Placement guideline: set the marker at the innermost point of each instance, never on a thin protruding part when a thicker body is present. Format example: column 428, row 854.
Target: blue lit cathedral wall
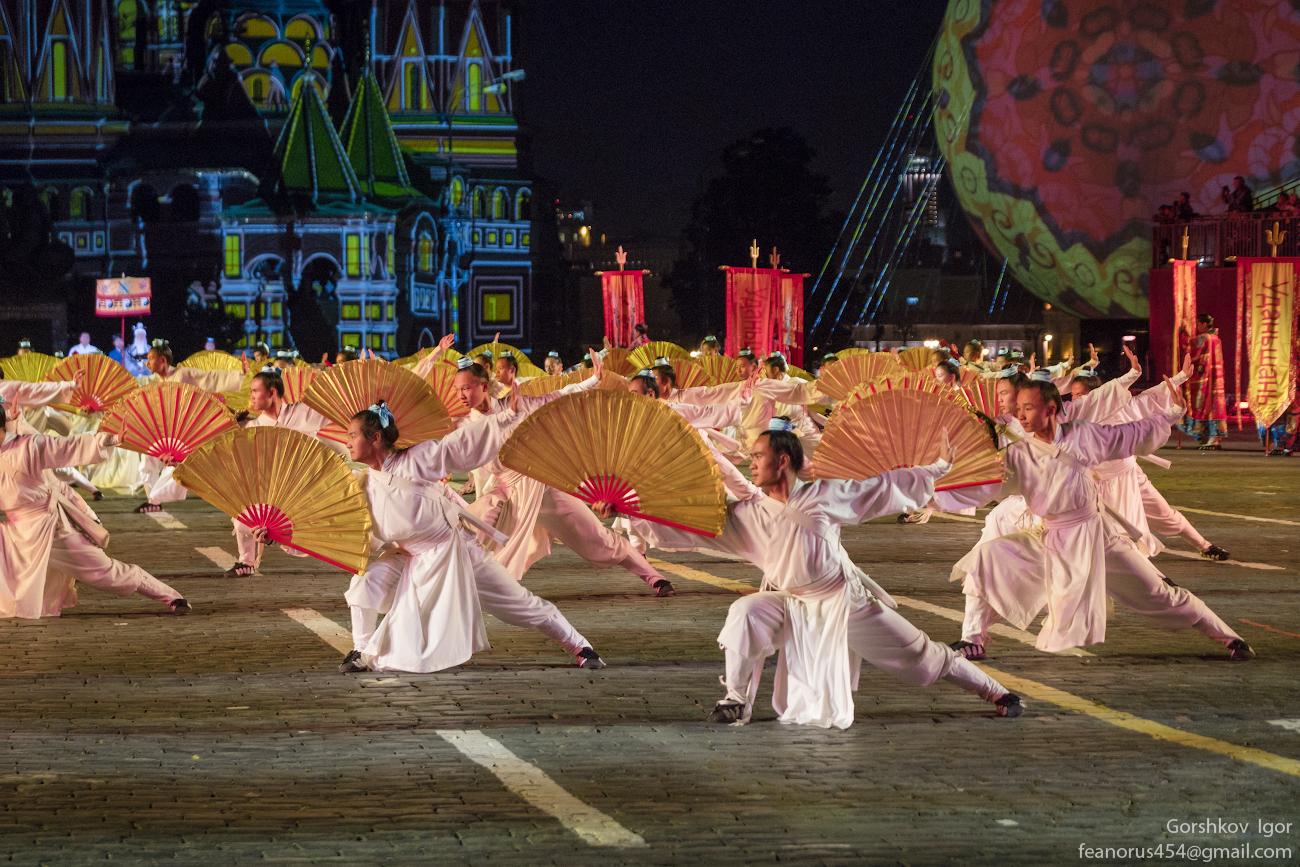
column 168, row 139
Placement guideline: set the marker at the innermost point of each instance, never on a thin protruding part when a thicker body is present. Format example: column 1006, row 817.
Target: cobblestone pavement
column 228, row 736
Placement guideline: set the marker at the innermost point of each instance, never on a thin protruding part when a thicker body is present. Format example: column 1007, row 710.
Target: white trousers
column 880, row 635
column 248, row 550
column 1134, row 582
column 371, row 594
column 1164, row 519
column 72, row 556
column 76, row 478
column 570, row 520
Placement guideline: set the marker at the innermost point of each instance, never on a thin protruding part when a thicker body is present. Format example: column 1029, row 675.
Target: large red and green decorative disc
column 1066, row 124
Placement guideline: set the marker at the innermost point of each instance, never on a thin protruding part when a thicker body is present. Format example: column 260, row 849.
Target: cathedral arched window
column 499, row 205
column 474, row 87
column 127, row 11
column 413, row 92
column 424, row 253
column 59, row 70
column 457, row 195
column 523, row 205
column 79, row 204
column 478, row 203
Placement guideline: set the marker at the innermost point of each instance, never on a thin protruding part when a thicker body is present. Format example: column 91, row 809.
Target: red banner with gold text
column 1270, row 314
column 623, row 293
column 751, row 297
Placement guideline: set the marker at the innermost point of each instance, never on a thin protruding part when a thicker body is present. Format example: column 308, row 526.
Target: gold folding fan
column 624, row 449
column 721, row 369
column 103, row 383
column 916, row 357
column 442, row 379
column 345, row 389
column 981, row 395
column 842, row 377
column 690, row 374
column 890, row 424
column 237, row 401
column 167, row 420
column 616, row 360
column 526, row 367
column 644, row 356
column 28, row 367
column 296, row 382
column 543, row 385
column 287, row 482
column 798, row 372
column 211, row 359
column 609, row 381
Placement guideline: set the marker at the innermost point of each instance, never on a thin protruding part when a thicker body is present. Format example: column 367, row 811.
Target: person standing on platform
column 1207, row 414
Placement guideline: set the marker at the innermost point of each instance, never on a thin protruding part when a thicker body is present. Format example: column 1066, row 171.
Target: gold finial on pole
column 1186, row 242
column 753, row 253
column 1274, row 237
column 620, row 256
column 775, row 258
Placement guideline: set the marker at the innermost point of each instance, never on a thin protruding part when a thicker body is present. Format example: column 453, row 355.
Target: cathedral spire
column 371, row 146
column 311, row 158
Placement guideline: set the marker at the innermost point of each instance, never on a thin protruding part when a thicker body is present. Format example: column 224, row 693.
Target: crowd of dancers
column 1076, row 523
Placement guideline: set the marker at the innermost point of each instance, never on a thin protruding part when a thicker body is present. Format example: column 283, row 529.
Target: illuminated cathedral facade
column 331, row 173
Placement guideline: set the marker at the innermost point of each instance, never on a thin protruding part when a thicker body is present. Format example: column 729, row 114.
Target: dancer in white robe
column 28, row 396
column 529, row 513
column 1083, row 552
column 815, row 606
column 432, row 580
column 1125, row 488
column 49, row 537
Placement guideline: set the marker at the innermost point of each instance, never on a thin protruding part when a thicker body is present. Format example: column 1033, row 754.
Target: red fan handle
column 88, row 402
column 279, row 529
column 259, row 516
column 609, row 488
column 171, row 449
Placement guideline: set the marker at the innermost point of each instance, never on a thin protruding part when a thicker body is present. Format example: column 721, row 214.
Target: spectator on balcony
column 1165, row 214
column 1287, row 204
column 1183, row 209
column 1239, row 199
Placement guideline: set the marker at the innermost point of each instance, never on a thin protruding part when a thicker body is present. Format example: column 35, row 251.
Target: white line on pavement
column 1238, row 517
column 222, row 559
column 326, row 630
column 533, row 785
column 527, row 781
column 166, row 521
column 1194, row 555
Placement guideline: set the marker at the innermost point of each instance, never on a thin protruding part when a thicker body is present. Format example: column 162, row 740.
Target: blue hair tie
column 780, row 424
column 663, row 361
column 465, row 362
column 385, row 414
column 646, row 372
column 271, row 369
column 1041, row 375
column 779, row 355
column 552, row 354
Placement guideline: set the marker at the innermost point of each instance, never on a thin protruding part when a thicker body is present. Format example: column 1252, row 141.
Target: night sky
column 632, row 101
